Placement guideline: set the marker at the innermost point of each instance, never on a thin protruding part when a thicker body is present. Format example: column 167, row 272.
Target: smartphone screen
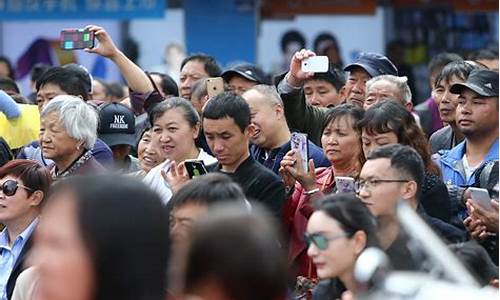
column 299, row 143
column 344, row 184
column 72, row 39
column 195, row 168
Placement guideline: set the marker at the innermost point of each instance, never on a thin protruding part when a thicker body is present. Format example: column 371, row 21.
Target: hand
column 106, row 46
column 295, row 76
column 347, row 295
column 177, row 177
column 489, row 218
column 292, row 163
column 288, row 179
column 476, row 229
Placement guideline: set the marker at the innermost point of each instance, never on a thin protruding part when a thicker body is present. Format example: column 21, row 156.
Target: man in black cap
column 309, row 119
column 117, row 130
column 477, row 119
column 242, row 77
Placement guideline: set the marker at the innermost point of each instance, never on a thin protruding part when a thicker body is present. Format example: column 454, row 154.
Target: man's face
column 355, row 86
column 239, row 84
column 476, row 115
column 380, row 197
column 380, row 90
column 447, row 101
column 264, row 117
column 226, row 140
column 321, row 93
column 46, row 93
column 183, row 217
column 192, row 71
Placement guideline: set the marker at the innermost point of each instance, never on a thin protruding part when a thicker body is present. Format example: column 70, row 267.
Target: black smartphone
column 195, row 167
column 72, row 39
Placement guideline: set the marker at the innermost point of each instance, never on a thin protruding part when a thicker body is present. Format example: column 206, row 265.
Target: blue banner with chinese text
column 80, row 9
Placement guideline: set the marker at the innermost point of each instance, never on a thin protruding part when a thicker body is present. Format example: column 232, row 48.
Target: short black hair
column 405, row 160
column 208, row 190
column 351, row 214
column 190, row 114
column 7, row 84
column 228, row 105
column 442, row 59
column 107, row 234
column 486, row 54
column 114, row 89
column 476, row 260
column 199, row 89
column 334, row 76
column 70, row 82
column 459, row 68
column 38, row 70
column 168, row 85
column 239, row 250
column 292, row 36
column 210, row 64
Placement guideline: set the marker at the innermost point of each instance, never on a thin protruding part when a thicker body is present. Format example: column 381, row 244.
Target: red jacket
column 296, row 212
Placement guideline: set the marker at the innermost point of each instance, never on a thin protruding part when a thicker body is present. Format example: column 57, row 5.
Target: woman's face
column 373, row 141
column 341, row 142
column 149, row 152
column 17, row 206
column 175, row 134
column 339, row 256
column 55, row 141
column 63, row 260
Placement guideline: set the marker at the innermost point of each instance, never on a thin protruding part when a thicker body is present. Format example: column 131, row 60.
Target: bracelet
column 307, row 193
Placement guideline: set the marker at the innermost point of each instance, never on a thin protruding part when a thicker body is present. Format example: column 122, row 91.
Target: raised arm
column 136, row 79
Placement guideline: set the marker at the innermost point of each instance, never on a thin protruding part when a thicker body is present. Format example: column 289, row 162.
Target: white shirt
column 160, row 186
column 467, row 168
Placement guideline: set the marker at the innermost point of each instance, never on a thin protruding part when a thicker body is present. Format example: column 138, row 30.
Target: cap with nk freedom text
column 483, row 82
column 116, row 125
column 373, row 63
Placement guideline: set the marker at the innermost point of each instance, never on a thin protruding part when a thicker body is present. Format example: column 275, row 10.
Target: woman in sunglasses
column 337, row 232
column 23, row 187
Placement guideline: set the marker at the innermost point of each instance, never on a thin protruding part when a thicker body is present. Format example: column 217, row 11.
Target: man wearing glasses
column 391, row 174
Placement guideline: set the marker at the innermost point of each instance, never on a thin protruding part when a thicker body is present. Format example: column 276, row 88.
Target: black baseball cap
column 116, row 125
column 373, row 63
column 248, row 71
column 483, row 82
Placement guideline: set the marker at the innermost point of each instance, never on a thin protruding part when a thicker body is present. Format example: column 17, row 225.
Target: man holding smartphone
column 307, row 118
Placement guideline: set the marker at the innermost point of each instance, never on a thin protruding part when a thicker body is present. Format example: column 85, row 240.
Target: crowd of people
column 102, row 205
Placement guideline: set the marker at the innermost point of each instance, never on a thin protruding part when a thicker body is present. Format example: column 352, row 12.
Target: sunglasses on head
column 320, row 240
column 10, row 186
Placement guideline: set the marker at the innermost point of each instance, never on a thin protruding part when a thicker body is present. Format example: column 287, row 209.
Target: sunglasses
column 10, row 186
column 320, row 240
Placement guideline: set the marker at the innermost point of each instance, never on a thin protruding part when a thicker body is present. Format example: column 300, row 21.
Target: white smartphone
column 344, row 184
column 481, row 197
column 299, row 143
column 316, row 64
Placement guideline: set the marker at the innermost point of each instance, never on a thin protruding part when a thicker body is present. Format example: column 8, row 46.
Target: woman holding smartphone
column 341, row 143
column 175, row 125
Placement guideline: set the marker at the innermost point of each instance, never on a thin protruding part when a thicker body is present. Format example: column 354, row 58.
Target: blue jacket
column 276, row 155
column 450, row 162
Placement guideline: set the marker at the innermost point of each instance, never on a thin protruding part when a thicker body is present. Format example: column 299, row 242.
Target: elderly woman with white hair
column 67, row 133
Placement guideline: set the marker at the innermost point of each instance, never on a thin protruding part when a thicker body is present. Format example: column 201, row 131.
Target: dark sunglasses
column 320, row 240
column 10, row 186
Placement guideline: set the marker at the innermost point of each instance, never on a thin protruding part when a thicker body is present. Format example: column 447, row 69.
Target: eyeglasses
column 9, row 187
column 320, row 240
column 360, row 184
